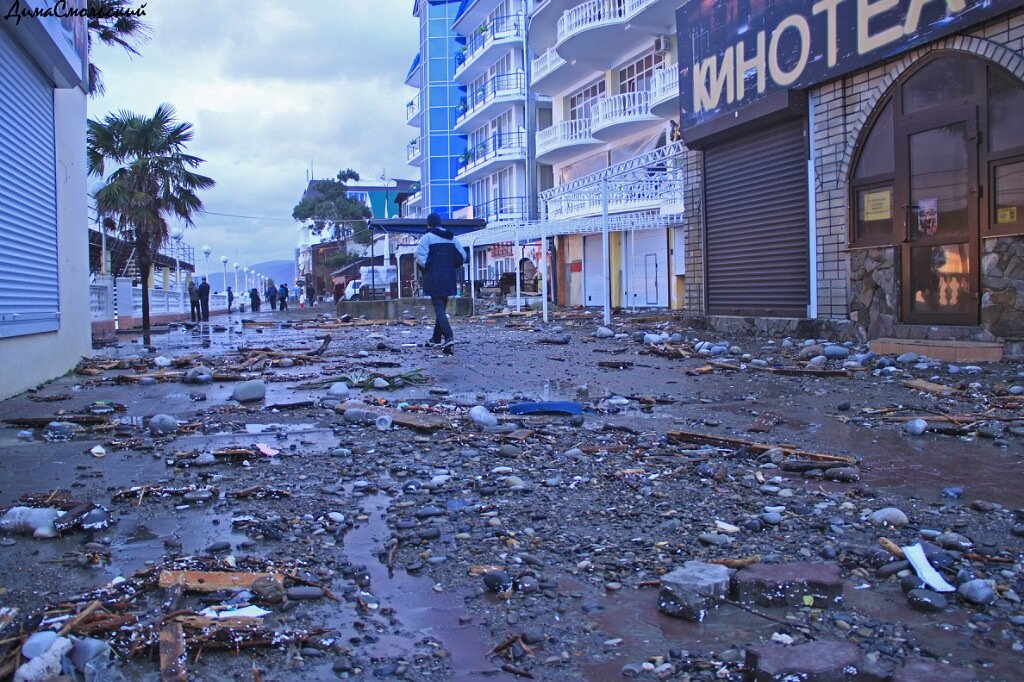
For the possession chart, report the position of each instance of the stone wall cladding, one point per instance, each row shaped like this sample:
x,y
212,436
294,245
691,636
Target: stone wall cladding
x,y
1002,286
841,109
693,225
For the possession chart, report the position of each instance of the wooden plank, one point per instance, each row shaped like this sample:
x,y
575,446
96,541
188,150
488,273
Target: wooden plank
x,y
413,420
234,623
212,581
726,442
173,666
929,387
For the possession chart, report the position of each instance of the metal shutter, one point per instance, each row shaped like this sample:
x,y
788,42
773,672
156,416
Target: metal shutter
x,y
29,298
756,218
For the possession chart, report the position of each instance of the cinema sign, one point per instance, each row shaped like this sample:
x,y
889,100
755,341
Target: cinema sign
x,y
734,52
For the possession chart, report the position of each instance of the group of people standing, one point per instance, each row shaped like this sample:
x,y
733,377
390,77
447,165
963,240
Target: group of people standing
x,y
199,300
277,297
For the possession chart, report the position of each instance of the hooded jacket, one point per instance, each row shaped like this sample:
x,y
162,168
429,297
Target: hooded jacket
x,y
440,254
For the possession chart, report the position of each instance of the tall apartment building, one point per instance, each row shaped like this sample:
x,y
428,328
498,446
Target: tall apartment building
x,y
610,69
438,148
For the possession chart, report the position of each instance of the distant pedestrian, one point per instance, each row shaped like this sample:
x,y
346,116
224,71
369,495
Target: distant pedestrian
x,y
204,299
441,255
254,299
231,298
271,296
282,297
310,296
193,300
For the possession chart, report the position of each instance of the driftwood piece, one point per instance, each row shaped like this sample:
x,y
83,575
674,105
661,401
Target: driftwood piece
x,y
173,663
727,442
82,616
212,581
40,422
929,387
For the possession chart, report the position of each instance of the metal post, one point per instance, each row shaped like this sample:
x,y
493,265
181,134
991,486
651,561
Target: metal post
x,y
605,253
544,267
472,277
515,249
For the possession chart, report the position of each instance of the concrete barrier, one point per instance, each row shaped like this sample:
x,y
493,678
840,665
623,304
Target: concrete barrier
x,y
398,309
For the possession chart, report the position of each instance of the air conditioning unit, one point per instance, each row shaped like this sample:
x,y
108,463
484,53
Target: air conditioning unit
x,y
662,44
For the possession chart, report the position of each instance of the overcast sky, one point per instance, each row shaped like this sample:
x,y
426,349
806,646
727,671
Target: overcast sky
x,y
271,87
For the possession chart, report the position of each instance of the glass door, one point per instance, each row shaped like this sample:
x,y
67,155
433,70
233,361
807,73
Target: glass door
x,y
939,152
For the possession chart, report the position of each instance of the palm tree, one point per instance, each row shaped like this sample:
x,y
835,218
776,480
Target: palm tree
x,y
113,22
153,180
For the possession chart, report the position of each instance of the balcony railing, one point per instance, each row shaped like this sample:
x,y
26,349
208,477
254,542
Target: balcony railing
x,y
564,133
596,12
628,106
412,150
502,85
501,143
412,109
545,64
501,208
499,28
665,84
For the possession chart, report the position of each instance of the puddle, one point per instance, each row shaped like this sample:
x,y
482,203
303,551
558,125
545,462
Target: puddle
x,y
420,610
257,429
633,615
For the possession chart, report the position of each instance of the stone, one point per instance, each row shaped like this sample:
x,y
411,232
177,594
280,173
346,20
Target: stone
x,y
788,584
198,375
836,353
338,389
889,516
481,416
47,665
249,391
162,424
498,581
926,600
268,590
37,643
820,661
381,382
915,427
843,474
691,591
286,363
929,671
60,432
907,358
300,592
603,333
953,541
977,591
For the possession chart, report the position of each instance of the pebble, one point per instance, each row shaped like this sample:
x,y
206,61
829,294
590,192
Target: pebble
x,y
915,427
926,600
836,353
249,391
603,333
889,516
338,389
481,416
978,591
498,581
162,424
304,592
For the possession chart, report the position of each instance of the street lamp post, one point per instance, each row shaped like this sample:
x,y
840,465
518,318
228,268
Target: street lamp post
x,y
224,264
206,252
245,271
236,277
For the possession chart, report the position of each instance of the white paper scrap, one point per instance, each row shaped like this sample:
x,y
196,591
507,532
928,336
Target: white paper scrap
x,y
246,612
915,555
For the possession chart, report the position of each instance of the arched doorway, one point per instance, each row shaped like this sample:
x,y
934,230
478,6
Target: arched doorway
x,y
940,167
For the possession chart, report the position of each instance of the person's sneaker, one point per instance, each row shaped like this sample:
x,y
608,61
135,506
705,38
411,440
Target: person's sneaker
x,y
431,342
448,347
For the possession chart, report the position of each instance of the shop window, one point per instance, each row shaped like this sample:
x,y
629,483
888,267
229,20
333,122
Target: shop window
x,y
873,184
1008,191
1005,105
940,82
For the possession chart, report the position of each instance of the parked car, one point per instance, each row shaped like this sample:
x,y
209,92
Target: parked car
x,y
352,290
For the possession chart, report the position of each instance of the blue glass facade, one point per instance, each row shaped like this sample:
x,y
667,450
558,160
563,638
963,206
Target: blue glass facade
x,y
440,97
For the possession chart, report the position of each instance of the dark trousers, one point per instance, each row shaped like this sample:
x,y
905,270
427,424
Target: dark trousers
x,y
283,302
205,303
195,310
442,330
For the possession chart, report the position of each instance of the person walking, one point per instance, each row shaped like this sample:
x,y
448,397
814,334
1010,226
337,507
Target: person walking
x,y
193,300
441,255
310,296
204,299
254,299
282,296
231,298
271,295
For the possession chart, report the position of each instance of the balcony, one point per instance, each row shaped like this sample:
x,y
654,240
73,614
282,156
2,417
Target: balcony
x,y
665,92
543,21
414,204
490,99
623,197
413,111
413,152
563,140
501,208
620,115
597,32
491,155
412,78
550,74
486,45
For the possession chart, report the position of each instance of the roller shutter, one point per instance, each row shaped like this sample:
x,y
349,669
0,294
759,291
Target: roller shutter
x,y
756,218
29,298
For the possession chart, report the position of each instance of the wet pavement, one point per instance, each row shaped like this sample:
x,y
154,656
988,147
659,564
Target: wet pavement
x,y
604,507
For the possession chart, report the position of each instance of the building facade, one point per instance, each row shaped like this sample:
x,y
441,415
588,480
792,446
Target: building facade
x,y
862,170
44,262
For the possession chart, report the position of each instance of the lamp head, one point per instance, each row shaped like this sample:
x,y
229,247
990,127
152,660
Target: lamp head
x,y
236,265
224,260
207,250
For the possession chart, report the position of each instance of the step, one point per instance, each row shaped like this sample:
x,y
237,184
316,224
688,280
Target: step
x,y
948,351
